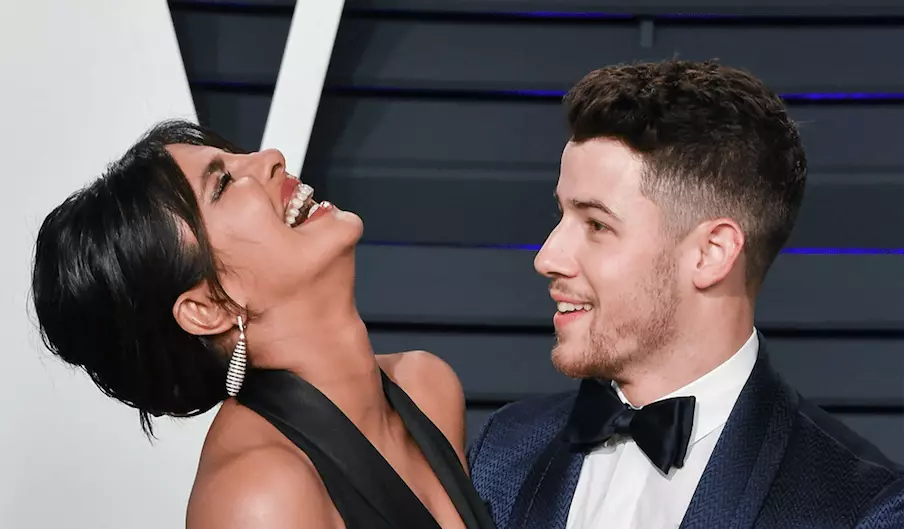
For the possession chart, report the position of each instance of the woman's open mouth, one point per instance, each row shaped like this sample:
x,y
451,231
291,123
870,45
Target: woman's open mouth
x,y
300,205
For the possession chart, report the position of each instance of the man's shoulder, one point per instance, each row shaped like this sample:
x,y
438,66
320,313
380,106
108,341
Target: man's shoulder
x,y
509,444
546,413
521,429
821,447
836,442
827,463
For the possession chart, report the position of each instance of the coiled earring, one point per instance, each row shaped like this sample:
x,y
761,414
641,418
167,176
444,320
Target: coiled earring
x,y
236,373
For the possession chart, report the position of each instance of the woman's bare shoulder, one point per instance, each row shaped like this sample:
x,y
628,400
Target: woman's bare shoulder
x,y
269,487
433,385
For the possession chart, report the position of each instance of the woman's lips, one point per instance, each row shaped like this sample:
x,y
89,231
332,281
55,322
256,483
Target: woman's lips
x,y
288,189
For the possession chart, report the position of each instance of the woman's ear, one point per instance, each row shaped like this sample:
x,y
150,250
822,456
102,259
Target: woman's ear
x,y
198,313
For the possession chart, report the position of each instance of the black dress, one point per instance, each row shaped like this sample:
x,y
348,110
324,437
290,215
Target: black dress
x,y
363,486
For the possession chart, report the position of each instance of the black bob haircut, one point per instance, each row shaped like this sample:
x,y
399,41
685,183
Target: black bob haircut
x,y
109,264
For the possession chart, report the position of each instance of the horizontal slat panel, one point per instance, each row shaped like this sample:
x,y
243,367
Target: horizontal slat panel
x,y
497,367
491,366
239,116
831,201
474,420
501,159
885,431
509,172
231,48
240,47
843,371
772,7
554,55
444,133
500,287
523,211
821,8
219,5
739,7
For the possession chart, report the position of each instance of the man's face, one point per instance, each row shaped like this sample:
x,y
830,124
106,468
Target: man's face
x,y
608,258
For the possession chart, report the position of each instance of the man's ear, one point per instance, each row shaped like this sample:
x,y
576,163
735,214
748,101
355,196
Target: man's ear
x,y
719,246
197,312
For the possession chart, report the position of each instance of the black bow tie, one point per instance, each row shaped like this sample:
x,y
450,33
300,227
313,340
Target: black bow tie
x,y
661,429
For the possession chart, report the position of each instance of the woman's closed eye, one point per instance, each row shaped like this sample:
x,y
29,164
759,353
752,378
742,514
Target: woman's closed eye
x,y
222,183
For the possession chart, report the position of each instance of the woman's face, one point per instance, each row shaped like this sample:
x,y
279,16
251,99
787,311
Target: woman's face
x,y
244,200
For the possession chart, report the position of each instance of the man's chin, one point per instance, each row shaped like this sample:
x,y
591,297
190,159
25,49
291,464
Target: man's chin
x,y
572,362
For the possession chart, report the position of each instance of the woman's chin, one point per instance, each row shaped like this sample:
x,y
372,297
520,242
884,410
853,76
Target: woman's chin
x,y
354,224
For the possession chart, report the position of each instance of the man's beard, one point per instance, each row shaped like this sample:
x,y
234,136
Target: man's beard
x,y
646,326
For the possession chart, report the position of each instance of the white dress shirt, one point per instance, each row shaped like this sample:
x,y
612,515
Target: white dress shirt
x,y
619,488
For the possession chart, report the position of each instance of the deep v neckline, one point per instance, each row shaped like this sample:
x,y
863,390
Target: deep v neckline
x,y
352,469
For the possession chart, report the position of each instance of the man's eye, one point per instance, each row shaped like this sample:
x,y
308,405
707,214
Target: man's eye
x,y
596,225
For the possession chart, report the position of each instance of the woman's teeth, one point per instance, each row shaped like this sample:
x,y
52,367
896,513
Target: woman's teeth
x,y
312,210
299,203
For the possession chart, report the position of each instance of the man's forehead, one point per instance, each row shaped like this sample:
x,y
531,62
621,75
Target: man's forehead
x,y
601,175
601,160
597,182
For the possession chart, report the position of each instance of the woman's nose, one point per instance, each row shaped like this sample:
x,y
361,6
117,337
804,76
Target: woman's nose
x,y
268,163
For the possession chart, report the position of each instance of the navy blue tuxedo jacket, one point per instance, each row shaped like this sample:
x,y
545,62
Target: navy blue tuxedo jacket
x,y
780,462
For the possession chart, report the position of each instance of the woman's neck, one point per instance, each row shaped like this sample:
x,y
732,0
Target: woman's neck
x,y
326,344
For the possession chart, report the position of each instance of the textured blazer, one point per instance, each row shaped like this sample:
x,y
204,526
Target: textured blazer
x,y
780,462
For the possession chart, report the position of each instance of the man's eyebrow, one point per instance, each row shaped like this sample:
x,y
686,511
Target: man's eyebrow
x,y
590,203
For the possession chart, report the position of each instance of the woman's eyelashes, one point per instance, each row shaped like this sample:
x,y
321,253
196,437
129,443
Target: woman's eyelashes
x,y
222,183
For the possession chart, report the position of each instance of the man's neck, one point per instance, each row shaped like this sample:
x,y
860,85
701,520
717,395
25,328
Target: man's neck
x,y
696,350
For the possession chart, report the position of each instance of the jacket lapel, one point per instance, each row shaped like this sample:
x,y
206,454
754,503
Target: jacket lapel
x,y
544,499
748,454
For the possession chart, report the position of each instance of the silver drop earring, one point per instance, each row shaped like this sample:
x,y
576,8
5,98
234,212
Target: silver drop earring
x,y
236,374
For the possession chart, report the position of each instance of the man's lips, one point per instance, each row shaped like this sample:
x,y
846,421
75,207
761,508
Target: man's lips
x,y
559,298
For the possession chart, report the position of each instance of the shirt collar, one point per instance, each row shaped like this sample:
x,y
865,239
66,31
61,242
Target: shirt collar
x,y
716,391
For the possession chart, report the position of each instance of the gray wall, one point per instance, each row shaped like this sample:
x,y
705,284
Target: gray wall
x,y
441,126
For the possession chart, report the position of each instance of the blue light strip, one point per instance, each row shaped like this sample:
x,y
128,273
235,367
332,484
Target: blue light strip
x,y
557,94
752,16
607,16
844,251
539,94
841,96
561,14
536,247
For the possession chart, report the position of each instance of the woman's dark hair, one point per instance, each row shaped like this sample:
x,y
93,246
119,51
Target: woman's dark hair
x,y
110,262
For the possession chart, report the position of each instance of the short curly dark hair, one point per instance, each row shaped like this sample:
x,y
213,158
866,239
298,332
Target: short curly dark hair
x,y
715,141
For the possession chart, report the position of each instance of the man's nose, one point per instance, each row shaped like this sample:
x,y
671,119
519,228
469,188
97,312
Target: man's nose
x,y
555,259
